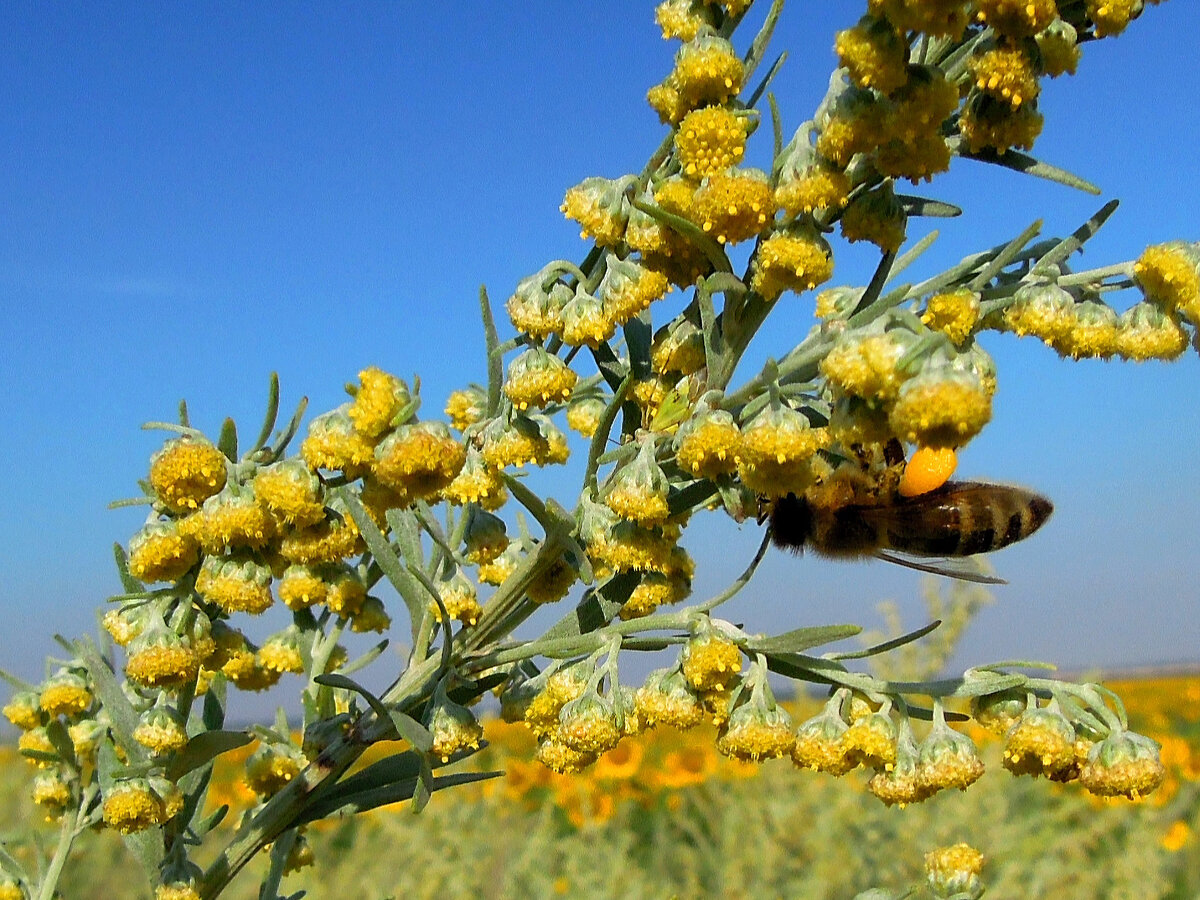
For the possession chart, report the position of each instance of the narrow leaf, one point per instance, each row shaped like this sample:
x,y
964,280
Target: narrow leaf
x,y
272,414
495,359
802,639
204,748
227,442
1079,237
890,645
1027,165
406,586
931,209
119,709
289,432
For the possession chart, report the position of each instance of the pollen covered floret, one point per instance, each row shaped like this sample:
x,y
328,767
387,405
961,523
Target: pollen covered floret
x,y
601,207
1124,764
917,158
776,448
130,805
920,108
160,551
161,730
947,759
954,871
818,744
1094,333
484,537
1006,74
185,472
281,652
936,18
235,584
291,492
736,206
372,616
818,186
158,658
466,407
655,589
552,583
37,740
954,313
1169,274
1041,743
637,491
707,70
874,54
535,308
710,661
1045,311
1059,47
333,443
589,724
681,19
988,123
866,366
1144,331
710,140
859,124
537,378
346,592
66,693
272,766
666,699
872,741
419,459
24,710
583,415
459,598
332,540
1111,17
379,399
453,728
513,441
586,322
234,518
302,586
755,732
941,407
708,444
878,217
677,349
558,757
477,482
52,793
797,260
1017,18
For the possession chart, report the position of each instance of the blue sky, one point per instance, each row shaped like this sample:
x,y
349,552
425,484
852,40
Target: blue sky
x,y
194,196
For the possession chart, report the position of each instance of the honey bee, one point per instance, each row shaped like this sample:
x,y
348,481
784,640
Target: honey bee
x,y
957,519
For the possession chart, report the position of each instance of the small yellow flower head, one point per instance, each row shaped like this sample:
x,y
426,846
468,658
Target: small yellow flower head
x,y
185,472
601,207
585,321
1169,275
681,19
898,783
876,216
158,658
942,406
130,805
818,743
559,689
333,443
51,792
372,616
710,140
10,888
378,400
453,727
708,444
921,107
282,652
630,547
873,54
1144,331
229,646
936,18
24,710
1059,48
1017,18
836,303
477,481
291,491
496,571
1045,311
666,699
797,259
1041,743
552,583
558,757
160,551
589,724
756,732
300,857
665,100
654,590
1124,764
1000,711
346,592
38,741
628,289
637,491
235,584
676,195
176,890
947,759
484,537
466,407
707,71
1005,73
954,871
583,415
736,206
677,349
272,766
460,598
329,541
710,661
775,452
927,470
419,459
858,123
954,313
537,378
66,693
302,586
230,520
535,308
817,186
871,741
557,450
125,623
1094,335
988,123
918,158
649,394
161,729
1111,17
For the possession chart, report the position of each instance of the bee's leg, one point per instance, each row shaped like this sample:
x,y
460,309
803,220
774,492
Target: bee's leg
x,y
893,452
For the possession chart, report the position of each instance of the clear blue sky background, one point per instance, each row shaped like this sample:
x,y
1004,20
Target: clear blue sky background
x,y
195,195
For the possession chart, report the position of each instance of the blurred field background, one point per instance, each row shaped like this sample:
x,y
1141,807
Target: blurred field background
x,y
663,815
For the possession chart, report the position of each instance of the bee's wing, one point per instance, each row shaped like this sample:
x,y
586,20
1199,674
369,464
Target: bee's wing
x,y
962,568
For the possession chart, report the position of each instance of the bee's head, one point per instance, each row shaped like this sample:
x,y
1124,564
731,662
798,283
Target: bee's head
x,y
791,522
